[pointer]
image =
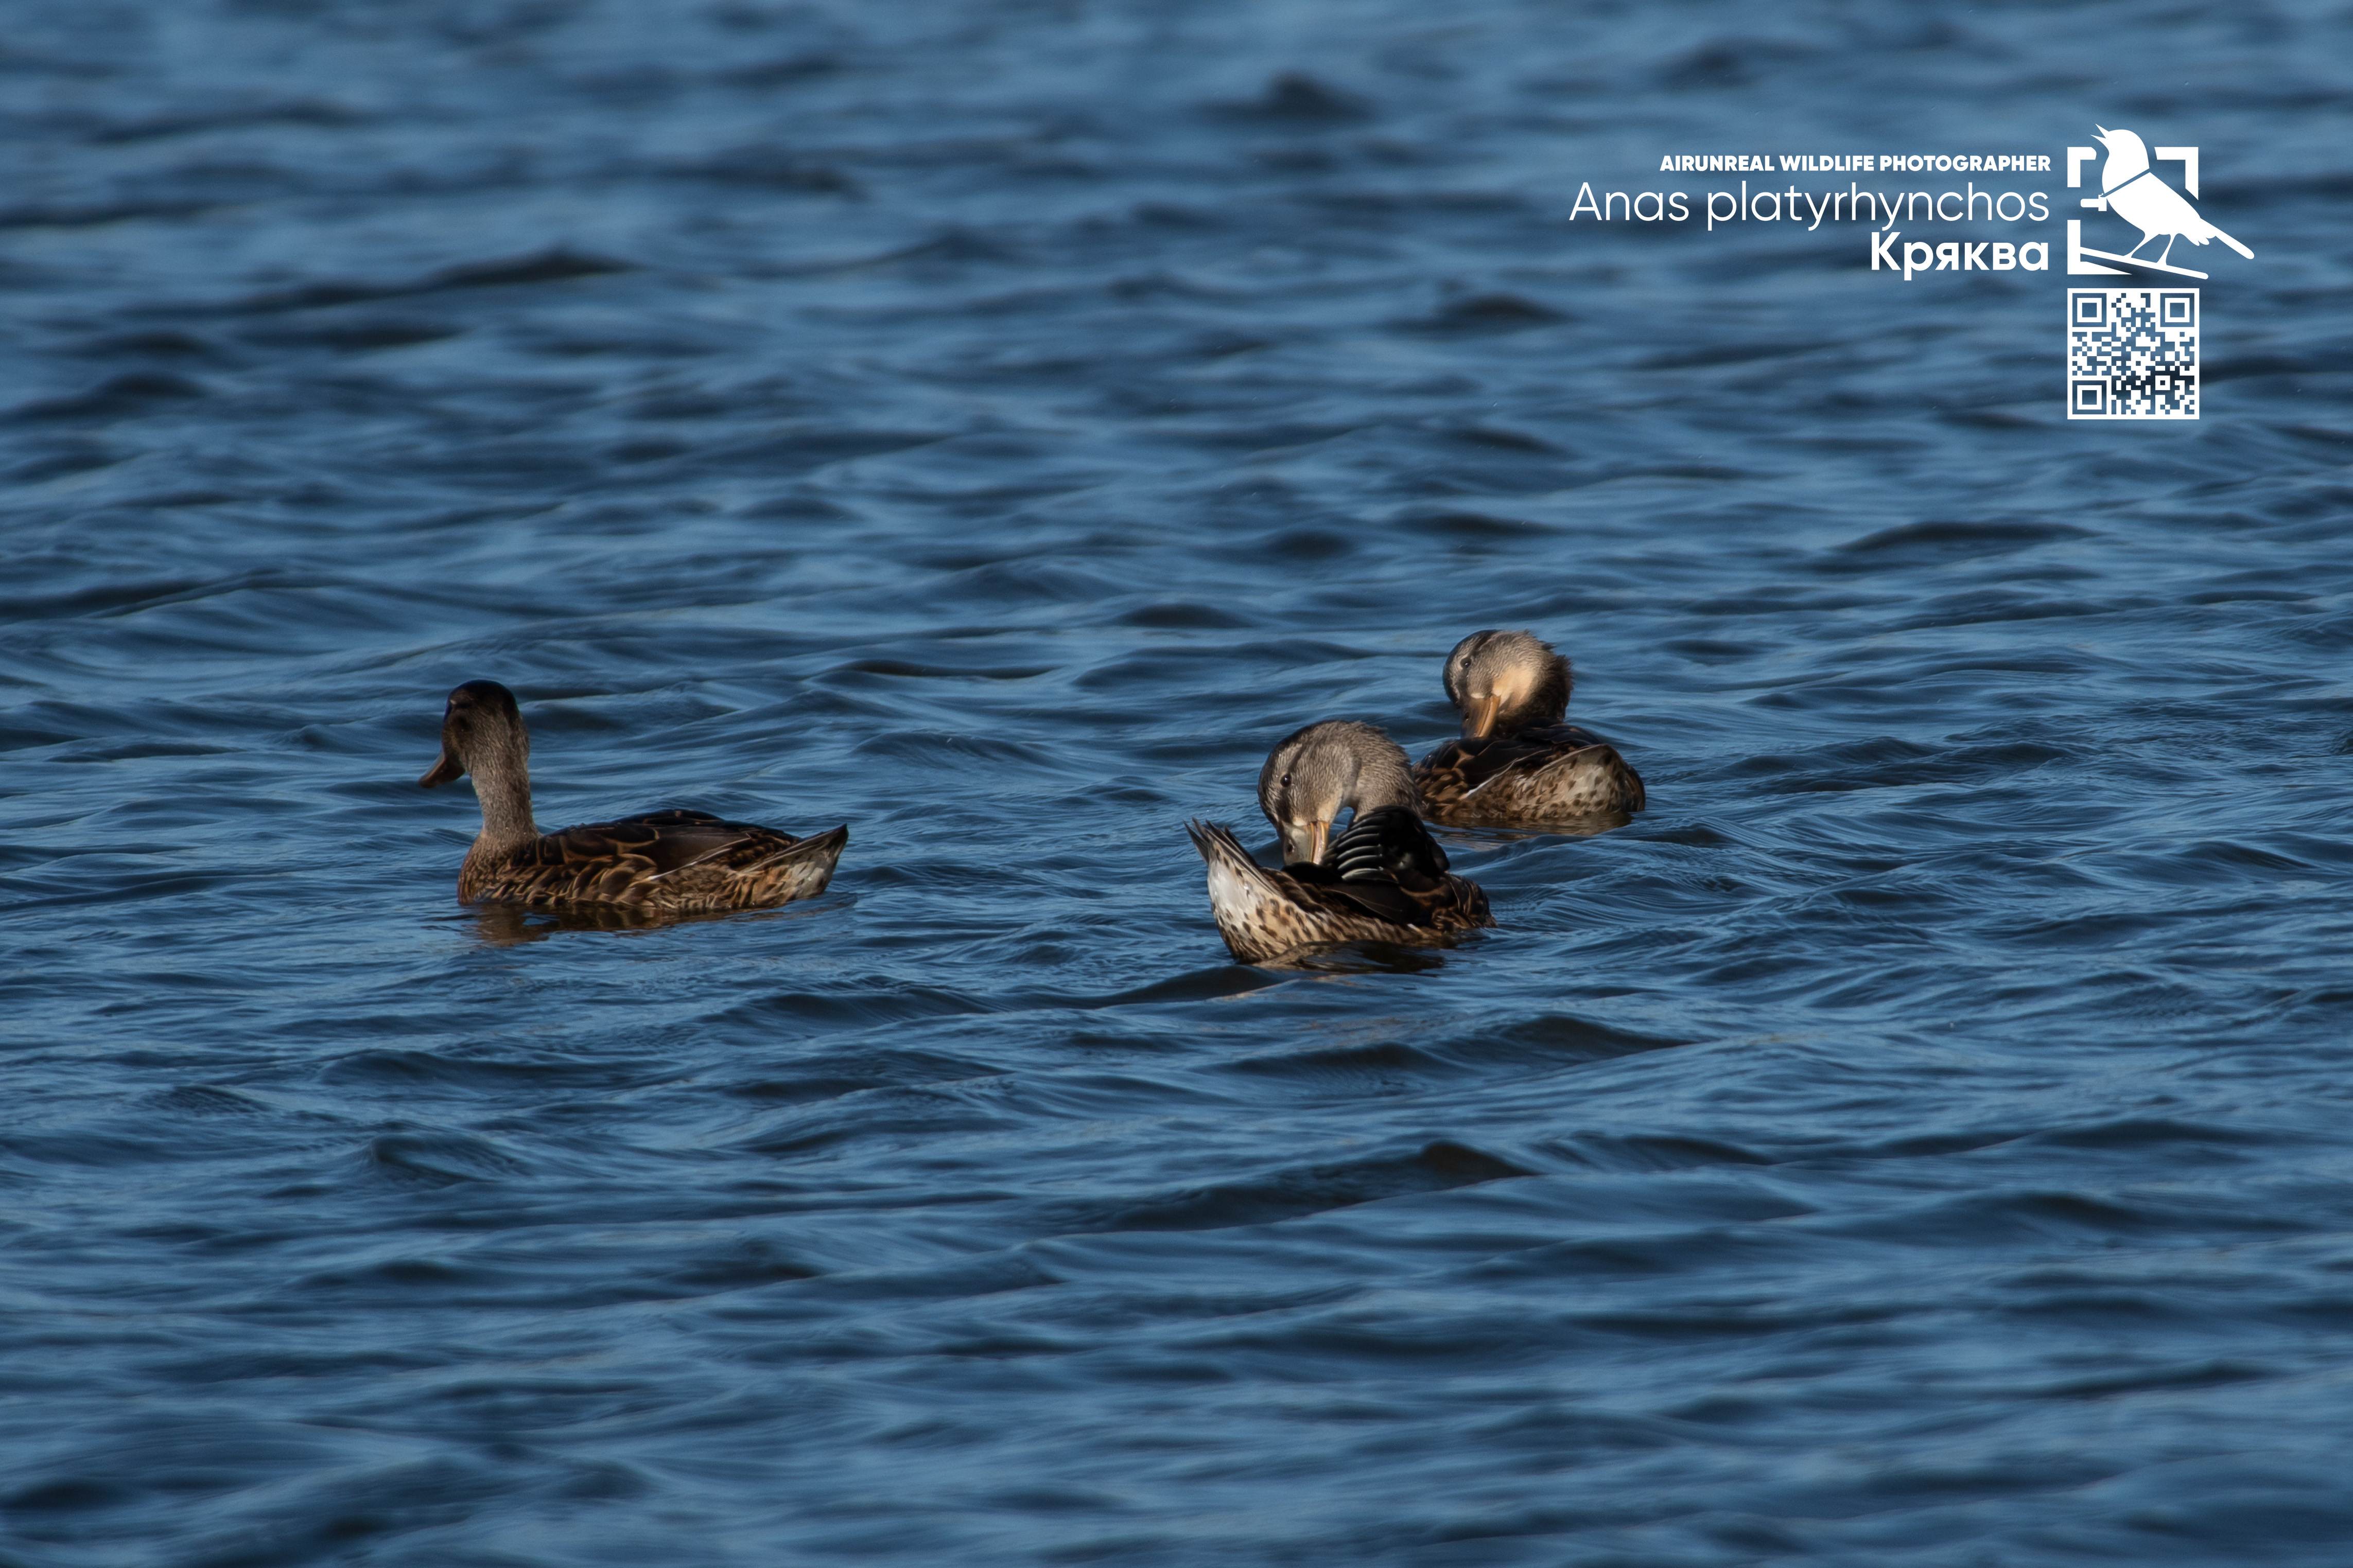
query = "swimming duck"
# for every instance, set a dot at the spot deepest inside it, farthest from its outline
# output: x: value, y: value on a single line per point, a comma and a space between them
x: 1382, y: 879
x: 1516, y: 763
x: 666, y: 862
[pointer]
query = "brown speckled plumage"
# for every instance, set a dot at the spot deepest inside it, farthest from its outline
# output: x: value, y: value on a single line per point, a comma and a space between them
x: 666, y: 862
x: 1516, y: 764
x: 681, y: 862
x: 1383, y: 879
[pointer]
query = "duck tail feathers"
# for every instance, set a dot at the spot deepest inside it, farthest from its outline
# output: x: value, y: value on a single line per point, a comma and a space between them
x: 826, y: 847
x: 1218, y: 846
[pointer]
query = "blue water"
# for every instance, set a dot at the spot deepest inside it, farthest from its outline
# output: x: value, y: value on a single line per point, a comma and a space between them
x: 1922, y: 1137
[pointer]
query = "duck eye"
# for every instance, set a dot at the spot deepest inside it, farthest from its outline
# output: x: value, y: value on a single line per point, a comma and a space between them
x: 1286, y: 781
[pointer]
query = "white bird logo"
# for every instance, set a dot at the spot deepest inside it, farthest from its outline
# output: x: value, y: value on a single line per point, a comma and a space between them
x: 2129, y: 187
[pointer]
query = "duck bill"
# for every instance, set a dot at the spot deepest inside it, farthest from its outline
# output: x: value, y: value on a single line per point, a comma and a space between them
x: 448, y: 770
x: 1304, y: 843
x: 1479, y: 721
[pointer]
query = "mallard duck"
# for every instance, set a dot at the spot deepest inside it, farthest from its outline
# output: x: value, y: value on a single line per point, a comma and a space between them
x: 1516, y: 763
x: 1382, y: 879
x: 666, y: 862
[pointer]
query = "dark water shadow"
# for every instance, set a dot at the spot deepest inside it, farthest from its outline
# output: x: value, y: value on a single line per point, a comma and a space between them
x: 511, y: 925
x: 1356, y: 958
x: 1505, y: 830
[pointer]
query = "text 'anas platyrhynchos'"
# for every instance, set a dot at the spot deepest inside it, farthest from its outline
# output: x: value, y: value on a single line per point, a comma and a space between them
x: 1383, y: 879
x: 1516, y: 764
x: 669, y: 862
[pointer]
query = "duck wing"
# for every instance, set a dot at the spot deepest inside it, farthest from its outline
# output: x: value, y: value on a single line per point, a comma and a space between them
x: 681, y: 862
x: 1385, y: 879
x: 1455, y: 768
x: 1571, y: 769
x: 1554, y: 771
x: 1383, y: 859
x: 665, y: 843
x: 1388, y: 866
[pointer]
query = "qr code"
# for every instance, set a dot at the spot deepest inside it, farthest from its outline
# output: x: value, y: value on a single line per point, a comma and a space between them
x: 2132, y: 353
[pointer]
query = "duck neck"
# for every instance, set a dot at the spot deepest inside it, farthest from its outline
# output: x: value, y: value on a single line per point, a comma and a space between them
x: 1385, y: 781
x: 504, y: 789
x: 1529, y: 716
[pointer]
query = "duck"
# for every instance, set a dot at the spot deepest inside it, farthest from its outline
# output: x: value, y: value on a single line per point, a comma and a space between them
x: 665, y: 862
x: 1381, y: 879
x: 1516, y: 764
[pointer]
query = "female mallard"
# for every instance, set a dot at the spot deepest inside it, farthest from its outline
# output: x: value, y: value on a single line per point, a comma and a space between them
x: 1517, y: 763
x: 1383, y: 879
x: 666, y: 862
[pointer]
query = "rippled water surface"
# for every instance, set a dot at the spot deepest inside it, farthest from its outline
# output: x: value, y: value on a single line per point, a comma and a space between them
x: 1921, y: 1137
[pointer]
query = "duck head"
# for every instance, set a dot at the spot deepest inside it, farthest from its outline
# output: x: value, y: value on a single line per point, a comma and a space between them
x: 1315, y: 774
x: 1502, y: 681
x: 481, y: 733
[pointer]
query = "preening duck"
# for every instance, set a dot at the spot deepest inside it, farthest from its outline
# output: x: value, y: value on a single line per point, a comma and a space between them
x: 666, y: 862
x: 1516, y: 764
x: 1382, y: 879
